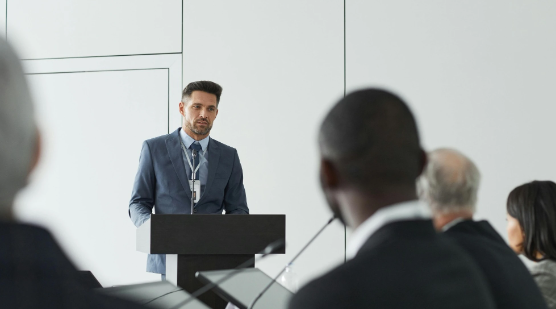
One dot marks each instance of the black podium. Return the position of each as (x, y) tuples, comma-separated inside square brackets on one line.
[(207, 242)]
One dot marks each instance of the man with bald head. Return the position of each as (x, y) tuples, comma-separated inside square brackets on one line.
[(449, 185), (370, 159)]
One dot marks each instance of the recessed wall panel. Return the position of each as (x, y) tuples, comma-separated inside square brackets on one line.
[(67, 28), (92, 126)]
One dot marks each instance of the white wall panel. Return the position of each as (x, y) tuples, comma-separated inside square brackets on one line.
[(94, 114), (281, 66), (93, 125), (478, 74), (67, 28)]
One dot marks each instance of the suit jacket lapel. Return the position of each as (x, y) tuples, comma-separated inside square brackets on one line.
[(173, 146), (213, 158)]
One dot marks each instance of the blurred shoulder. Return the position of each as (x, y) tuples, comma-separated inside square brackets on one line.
[(331, 290), (544, 273), (544, 268), (14, 231)]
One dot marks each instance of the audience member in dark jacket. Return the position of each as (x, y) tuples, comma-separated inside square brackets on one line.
[(449, 185), (370, 159)]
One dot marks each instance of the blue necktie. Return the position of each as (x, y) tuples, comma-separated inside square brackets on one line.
[(197, 147)]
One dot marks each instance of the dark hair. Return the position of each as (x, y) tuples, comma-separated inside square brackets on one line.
[(372, 138), (534, 206), (205, 86)]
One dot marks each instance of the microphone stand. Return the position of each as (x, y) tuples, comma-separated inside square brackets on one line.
[(193, 192), (294, 258)]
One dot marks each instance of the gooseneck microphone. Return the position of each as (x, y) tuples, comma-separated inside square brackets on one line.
[(271, 248), (193, 191), (294, 258)]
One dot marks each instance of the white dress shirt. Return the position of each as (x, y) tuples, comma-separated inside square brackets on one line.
[(203, 157), (397, 212)]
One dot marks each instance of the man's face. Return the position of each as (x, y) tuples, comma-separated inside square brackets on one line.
[(515, 234), (199, 112)]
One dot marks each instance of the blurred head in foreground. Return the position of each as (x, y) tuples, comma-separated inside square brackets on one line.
[(19, 145), (449, 185), (532, 220), (370, 154)]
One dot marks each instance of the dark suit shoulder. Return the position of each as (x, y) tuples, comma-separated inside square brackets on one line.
[(509, 280), (476, 228), (402, 265), (29, 241), (36, 273), (480, 236), (332, 290)]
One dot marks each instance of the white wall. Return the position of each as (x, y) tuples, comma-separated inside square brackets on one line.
[(67, 28), (479, 75), (92, 125), (94, 113), (281, 66)]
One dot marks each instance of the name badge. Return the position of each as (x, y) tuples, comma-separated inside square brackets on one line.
[(197, 190)]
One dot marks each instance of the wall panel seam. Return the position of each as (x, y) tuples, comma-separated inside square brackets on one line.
[(103, 56)]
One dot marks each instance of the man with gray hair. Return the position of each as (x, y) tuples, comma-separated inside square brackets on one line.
[(449, 185), (34, 271)]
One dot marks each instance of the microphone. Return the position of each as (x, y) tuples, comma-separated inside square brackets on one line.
[(269, 249), (193, 192), (294, 258)]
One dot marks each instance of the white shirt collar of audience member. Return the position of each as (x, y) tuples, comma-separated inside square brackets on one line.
[(397, 212)]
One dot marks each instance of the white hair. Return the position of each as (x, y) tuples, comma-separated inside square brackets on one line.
[(18, 133), (450, 182)]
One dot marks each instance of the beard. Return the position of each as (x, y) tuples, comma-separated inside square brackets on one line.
[(195, 129)]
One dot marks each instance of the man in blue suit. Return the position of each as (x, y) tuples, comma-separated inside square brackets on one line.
[(169, 163)]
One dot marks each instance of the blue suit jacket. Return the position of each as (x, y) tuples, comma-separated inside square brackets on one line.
[(162, 183)]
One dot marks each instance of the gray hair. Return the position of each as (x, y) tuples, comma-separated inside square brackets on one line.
[(449, 182), (18, 133)]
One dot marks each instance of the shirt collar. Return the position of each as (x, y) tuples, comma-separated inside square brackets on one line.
[(452, 223), (188, 140), (397, 212)]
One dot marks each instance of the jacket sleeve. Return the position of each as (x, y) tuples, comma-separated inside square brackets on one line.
[(235, 200), (144, 189)]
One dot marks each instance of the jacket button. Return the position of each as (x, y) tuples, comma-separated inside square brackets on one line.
[(194, 210)]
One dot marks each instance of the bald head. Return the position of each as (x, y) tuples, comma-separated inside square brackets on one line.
[(450, 182), (18, 134), (371, 138)]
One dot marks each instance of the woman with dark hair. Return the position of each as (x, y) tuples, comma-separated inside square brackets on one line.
[(532, 231)]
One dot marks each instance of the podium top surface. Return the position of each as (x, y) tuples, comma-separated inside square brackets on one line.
[(210, 234)]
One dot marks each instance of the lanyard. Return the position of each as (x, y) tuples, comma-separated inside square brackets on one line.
[(189, 160)]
